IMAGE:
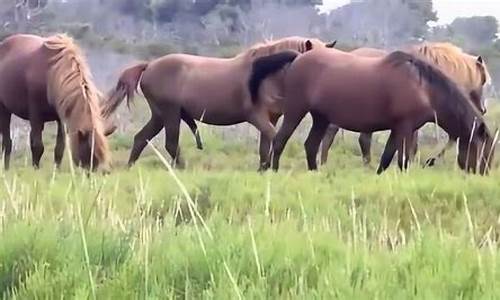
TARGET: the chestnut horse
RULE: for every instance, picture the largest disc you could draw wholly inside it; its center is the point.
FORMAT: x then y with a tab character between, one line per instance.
47	79
399	92
469	72
212	90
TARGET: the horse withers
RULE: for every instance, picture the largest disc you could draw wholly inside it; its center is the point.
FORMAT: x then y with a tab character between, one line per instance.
47	79
398	92
211	90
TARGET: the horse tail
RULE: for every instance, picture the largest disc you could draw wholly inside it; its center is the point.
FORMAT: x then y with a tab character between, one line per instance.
265	66
126	87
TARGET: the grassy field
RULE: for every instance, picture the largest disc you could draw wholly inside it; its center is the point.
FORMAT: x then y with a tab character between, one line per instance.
220	230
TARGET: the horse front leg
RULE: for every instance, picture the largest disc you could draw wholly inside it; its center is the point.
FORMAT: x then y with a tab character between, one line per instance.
327	142
5	118
365	143
36	142
60	144
432	160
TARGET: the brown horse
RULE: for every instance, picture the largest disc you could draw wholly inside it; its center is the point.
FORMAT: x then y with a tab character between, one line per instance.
212	90
398	92
47	79
469	72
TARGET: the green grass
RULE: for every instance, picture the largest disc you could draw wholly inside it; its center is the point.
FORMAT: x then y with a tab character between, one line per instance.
342	232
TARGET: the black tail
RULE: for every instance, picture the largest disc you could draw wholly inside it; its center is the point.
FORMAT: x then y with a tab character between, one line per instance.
265	66
455	99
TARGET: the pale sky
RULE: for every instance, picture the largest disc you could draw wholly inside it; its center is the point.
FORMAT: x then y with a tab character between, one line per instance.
447	9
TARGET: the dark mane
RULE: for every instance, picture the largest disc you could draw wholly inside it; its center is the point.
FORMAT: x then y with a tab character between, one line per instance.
265	66
462	107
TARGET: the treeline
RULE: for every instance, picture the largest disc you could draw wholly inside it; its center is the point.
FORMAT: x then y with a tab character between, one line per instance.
149	28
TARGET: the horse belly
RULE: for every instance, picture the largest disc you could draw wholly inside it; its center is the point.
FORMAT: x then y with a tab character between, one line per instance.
359	110
216	106
216	112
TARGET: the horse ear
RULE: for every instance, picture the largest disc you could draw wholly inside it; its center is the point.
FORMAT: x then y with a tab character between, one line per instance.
309	45
332	44
480	59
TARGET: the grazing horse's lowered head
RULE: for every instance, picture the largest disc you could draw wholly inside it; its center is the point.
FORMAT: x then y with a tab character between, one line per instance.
76	98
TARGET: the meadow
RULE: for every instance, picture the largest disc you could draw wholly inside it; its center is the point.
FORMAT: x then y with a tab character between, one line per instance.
220	230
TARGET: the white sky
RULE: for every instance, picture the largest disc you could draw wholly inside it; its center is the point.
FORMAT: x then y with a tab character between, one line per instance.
447	9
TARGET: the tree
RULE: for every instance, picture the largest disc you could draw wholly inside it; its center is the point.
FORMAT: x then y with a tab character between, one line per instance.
382	22
475	30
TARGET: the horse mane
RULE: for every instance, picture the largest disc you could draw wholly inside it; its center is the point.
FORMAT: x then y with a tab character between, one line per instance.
73	93
433	76
296	43
455	63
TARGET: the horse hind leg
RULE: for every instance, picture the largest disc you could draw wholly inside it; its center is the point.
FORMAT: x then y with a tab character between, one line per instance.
60	144
262	121
5	118
327	142
291	120
147	133
265	147
171	122
313	141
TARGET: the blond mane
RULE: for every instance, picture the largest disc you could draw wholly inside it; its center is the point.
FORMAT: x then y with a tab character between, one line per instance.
455	63
71	90
296	43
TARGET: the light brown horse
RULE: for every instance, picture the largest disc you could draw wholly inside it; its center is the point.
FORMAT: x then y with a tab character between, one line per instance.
211	90
47	79
469	72
398	92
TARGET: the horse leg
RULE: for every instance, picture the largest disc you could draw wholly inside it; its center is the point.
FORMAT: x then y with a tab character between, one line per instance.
265	147
60	144
318	129
389	151
5	118
262	121
406	151
194	128
172	122
36	142
365	143
148	132
432	161
290	123
415	144
327	142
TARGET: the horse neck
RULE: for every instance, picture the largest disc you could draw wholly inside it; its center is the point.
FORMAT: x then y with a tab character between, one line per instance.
454	116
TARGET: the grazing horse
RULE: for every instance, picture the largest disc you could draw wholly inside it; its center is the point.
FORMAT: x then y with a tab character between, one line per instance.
211	90
399	92
469	72
47	79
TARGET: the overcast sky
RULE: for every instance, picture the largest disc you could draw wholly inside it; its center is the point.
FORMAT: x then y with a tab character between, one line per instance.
448	9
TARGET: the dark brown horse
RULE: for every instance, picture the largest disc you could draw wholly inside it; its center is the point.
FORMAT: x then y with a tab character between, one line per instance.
212	90
469	72
47	79
398	92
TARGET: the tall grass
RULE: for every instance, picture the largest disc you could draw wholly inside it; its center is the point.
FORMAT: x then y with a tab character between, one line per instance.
220	230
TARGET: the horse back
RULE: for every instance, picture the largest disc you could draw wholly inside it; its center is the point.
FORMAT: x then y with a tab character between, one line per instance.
23	76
